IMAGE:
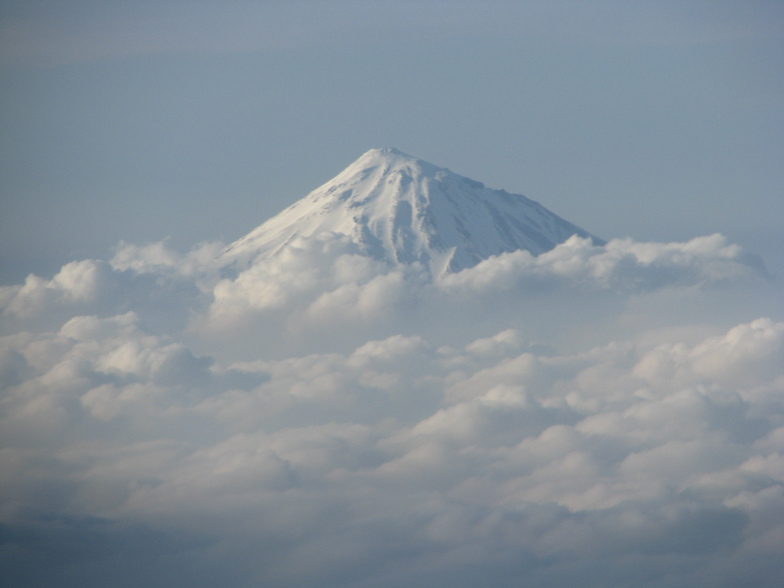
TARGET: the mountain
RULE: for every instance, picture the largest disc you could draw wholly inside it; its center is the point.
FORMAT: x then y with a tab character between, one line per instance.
403	210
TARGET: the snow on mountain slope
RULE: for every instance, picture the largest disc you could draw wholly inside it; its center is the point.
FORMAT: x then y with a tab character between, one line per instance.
400	209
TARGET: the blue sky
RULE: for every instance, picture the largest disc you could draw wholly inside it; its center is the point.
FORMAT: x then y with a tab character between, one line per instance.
199	120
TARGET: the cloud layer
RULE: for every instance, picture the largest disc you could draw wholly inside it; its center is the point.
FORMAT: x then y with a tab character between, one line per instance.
320	419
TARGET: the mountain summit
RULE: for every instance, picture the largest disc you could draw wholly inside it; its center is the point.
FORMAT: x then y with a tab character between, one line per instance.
404	210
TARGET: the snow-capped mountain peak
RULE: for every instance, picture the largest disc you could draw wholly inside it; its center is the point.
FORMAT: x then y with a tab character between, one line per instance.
404	210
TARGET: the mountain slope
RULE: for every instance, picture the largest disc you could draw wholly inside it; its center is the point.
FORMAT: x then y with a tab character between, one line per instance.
404	210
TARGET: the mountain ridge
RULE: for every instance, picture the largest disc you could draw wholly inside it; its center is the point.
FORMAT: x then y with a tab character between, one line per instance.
403	210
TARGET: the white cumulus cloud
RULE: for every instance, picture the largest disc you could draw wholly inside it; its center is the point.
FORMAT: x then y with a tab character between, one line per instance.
322	419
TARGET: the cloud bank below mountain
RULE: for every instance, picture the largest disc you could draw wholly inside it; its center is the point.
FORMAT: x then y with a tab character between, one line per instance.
602	415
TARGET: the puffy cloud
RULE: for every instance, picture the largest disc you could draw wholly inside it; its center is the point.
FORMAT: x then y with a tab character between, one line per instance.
320	289
77	282
158	284
621	264
322	419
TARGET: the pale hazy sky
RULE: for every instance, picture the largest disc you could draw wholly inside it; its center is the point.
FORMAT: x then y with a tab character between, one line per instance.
199	120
